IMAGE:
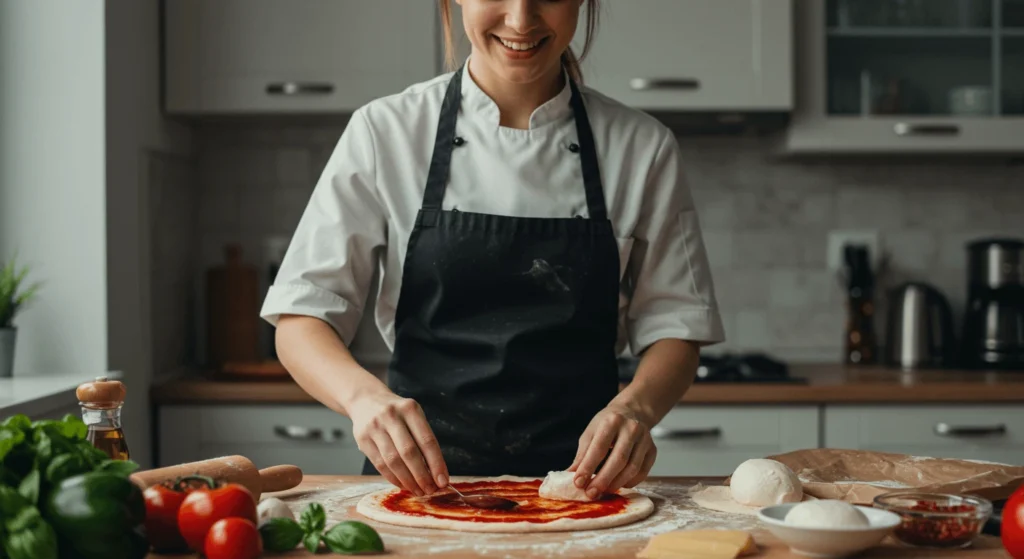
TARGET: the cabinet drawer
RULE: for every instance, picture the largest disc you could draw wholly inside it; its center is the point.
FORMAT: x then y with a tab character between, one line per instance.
714	440
994	433
313	437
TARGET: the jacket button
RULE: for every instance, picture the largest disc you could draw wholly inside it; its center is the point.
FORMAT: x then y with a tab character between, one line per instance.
458	141
575	148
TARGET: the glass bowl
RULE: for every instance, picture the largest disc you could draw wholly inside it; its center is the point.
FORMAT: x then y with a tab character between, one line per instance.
936	519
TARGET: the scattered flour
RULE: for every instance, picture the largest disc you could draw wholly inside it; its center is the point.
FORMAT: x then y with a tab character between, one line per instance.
674	510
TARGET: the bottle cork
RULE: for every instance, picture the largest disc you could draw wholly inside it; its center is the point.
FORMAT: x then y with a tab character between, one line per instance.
102	393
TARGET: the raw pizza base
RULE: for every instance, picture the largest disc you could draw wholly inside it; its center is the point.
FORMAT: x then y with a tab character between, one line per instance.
719	497
639	507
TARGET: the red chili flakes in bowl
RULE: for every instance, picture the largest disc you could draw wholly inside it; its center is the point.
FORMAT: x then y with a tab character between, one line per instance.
935	530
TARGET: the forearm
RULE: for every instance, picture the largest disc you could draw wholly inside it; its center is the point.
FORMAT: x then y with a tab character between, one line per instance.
665	372
320	363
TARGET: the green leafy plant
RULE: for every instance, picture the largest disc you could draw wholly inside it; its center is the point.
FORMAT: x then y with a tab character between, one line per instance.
62	497
12	296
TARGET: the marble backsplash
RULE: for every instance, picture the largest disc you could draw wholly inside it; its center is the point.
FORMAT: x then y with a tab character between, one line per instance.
765	220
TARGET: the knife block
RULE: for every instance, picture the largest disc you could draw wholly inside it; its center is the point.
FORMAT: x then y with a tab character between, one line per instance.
232	310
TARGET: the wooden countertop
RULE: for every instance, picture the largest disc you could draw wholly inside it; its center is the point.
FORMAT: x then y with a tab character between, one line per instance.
339	495
826	384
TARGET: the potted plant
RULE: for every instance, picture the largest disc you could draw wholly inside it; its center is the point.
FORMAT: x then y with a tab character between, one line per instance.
12	300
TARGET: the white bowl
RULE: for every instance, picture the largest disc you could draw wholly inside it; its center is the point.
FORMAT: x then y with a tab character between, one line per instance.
828	543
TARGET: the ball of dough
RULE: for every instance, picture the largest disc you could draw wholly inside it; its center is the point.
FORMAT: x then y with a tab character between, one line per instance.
826	514
560	486
760	482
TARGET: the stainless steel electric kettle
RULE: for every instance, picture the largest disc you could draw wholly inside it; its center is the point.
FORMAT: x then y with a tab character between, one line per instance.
919	331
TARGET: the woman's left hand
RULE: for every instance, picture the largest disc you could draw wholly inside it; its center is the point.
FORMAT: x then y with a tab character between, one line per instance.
619	429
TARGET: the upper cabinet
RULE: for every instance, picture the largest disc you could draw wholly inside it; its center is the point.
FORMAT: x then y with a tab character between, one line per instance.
909	76
283	56
694	55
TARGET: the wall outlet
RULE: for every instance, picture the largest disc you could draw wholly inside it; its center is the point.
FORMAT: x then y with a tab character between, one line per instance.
838	239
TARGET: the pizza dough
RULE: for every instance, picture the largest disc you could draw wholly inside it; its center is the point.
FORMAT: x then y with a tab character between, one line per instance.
553	516
826	513
719	497
560	486
761	482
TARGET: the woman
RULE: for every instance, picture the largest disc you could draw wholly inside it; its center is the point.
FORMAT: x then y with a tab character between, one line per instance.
504	207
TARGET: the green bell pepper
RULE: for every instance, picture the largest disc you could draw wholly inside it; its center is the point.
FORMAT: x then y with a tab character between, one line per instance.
100	514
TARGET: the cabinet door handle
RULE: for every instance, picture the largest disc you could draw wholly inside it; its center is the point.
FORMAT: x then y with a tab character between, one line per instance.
947	430
663	433
300	88
298	433
646	84
908	129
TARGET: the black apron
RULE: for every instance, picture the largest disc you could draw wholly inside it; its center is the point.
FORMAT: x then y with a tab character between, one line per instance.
506	326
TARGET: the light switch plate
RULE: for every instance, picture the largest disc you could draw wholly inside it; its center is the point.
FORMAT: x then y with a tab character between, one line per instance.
840	238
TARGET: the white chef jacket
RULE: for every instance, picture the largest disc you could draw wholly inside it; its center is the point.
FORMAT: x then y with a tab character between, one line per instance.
365	202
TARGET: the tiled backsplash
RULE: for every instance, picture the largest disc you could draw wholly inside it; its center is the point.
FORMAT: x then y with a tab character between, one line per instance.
765	221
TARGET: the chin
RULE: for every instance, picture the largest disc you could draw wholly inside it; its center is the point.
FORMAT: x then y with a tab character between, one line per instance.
518	72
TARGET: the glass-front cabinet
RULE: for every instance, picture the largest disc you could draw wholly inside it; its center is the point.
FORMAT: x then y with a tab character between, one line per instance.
897	76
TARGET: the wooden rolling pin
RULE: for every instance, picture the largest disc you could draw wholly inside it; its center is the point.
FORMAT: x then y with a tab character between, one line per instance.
232	469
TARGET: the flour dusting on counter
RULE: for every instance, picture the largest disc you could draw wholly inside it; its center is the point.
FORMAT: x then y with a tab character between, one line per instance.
674	510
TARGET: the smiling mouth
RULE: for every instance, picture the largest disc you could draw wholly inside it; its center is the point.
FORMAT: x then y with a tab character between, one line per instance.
521	46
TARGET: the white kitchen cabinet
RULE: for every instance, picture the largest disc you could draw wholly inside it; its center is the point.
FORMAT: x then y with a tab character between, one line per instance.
877	81
693	55
713	440
281	56
313	437
993	433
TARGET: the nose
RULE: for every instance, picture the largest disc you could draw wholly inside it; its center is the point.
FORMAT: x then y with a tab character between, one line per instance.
522	16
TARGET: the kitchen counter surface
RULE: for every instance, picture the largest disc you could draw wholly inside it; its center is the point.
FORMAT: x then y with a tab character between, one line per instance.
339	495
826	384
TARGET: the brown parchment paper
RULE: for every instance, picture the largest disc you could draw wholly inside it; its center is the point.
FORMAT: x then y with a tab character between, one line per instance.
858	476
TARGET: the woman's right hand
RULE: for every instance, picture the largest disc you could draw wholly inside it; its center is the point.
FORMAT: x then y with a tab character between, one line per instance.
394	435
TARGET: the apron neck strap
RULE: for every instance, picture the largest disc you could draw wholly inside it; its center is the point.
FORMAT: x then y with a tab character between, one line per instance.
444	145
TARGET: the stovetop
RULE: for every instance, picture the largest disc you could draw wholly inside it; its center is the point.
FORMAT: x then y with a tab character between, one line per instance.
728	368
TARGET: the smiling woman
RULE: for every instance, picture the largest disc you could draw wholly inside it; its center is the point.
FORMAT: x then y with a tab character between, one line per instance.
531	44
506	206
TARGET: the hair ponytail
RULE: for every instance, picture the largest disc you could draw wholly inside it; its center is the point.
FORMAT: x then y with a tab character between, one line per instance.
570	61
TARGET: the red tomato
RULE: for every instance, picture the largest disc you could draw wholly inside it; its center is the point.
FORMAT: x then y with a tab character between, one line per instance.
1012	531
162	503
233	538
203	507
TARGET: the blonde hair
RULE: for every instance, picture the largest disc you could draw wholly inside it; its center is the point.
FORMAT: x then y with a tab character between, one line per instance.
570	61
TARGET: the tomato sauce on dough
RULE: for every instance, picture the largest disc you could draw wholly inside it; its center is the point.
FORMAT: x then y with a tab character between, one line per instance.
532	508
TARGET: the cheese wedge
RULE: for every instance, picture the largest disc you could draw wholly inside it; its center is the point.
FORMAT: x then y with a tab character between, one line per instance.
699	544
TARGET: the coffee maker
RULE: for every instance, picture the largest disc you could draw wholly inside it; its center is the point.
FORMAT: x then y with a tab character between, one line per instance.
993	336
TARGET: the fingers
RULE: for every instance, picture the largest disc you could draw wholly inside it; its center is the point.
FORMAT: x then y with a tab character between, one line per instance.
645	470
373	455
393	460
595	453
428	446
581	449
627	439
409	453
634	467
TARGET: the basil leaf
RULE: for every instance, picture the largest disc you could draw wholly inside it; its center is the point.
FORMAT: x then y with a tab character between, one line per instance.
19	422
312	541
29	487
353	537
11	502
313	519
29	536
280	534
9	438
118	467
65	466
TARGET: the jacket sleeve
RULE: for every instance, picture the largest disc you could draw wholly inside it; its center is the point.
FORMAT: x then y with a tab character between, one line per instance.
672	291
327	269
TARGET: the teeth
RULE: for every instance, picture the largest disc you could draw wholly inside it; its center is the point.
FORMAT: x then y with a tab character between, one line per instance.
518	46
